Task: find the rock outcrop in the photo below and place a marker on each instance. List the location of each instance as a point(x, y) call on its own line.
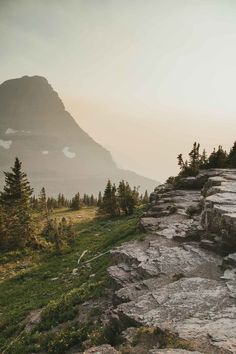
point(172, 351)
point(181, 278)
point(103, 349)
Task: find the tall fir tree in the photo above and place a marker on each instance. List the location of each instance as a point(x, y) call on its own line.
point(109, 203)
point(231, 160)
point(145, 199)
point(218, 158)
point(42, 201)
point(122, 196)
point(15, 202)
point(99, 203)
point(203, 162)
point(127, 197)
point(194, 158)
point(76, 203)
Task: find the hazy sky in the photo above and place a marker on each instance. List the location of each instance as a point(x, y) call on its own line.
point(143, 77)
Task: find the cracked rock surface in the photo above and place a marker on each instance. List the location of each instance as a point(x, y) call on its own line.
point(182, 277)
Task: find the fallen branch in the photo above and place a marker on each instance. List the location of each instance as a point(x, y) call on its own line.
point(98, 256)
point(82, 255)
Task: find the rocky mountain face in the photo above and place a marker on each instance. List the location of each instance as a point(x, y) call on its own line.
point(55, 151)
point(181, 279)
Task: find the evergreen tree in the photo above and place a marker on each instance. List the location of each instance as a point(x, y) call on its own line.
point(109, 203)
point(91, 202)
point(61, 201)
point(122, 196)
point(99, 202)
point(131, 197)
point(114, 203)
point(43, 202)
point(203, 163)
point(145, 198)
point(127, 197)
point(231, 160)
point(35, 203)
point(218, 158)
point(75, 203)
point(180, 161)
point(194, 159)
point(15, 202)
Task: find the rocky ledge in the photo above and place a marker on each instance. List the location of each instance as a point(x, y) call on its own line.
point(181, 278)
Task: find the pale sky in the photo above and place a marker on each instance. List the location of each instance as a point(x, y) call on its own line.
point(145, 78)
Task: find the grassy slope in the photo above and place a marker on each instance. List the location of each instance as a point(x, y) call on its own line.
point(31, 280)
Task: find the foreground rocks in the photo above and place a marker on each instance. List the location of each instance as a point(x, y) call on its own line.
point(172, 351)
point(103, 349)
point(182, 278)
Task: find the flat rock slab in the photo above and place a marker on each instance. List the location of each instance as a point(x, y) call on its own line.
point(169, 210)
point(172, 351)
point(194, 308)
point(160, 257)
point(103, 349)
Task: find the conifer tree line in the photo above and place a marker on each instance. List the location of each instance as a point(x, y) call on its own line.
point(22, 214)
point(75, 203)
point(219, 158)
point(121, 199)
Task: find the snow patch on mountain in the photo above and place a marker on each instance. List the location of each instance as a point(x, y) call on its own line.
point(6, 144)
point(68, 153)
point(10, 131)
point(13, 131)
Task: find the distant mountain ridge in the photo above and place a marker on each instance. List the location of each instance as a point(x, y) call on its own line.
point(55, 151)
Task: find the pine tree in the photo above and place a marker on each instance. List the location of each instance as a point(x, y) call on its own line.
point(43, 202)
point(194, 156)
point(218, 158)
point(127, 197)
point(91, 200)
point(109, 203)
point(131, 197)
point(15, 201)
point(114, 203)
point(99, 203)
point(122, 196)
point(136, 195)
point(231, 160)
point(145, 198)
point(75, 203)
point(203, 163)
point(180, 161)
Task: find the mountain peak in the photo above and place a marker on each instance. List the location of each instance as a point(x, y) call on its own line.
point(56, 152)
point(30, 80)
point(27, 101)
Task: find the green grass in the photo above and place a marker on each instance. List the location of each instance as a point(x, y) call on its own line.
point(32, 280)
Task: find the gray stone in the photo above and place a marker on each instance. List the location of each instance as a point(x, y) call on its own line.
point(194, 308)
point(173, 280)
point(157, 257)
point(172, 351)
point(103, 349)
